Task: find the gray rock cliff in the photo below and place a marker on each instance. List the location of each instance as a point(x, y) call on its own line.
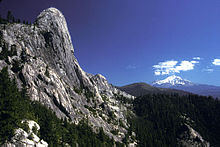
point(26, 138)
point(53, 76)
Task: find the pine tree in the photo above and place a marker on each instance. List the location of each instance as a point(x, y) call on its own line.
point(10, 17)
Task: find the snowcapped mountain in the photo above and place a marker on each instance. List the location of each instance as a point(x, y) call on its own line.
point(176, 82)
point(172, 81)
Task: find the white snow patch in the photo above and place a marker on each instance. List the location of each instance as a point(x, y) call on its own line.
point(173, 80)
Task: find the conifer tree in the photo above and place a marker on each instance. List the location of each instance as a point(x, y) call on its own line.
point(10, 17)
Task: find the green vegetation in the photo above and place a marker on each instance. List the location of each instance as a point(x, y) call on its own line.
point(34, 129)
point(5, 53)
point(85, 90)
point(13, 51)
point(78, 91)
point(159, 120)
point(115, 132)
point(16, 106)
point(23, 56)
point(10, 19)
point(88, 93)
point(47, 72)
point(1, 38)
point(93, 110)
point(123, 99)
point(16, 66)
point(104, 97)
point(111, 114)
point(25, 126)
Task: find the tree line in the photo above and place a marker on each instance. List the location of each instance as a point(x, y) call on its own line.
point(160, 118)
point(15, 105)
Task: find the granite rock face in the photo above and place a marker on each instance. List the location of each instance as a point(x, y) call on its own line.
point(26, 138)
point(53, 76)
point(43, 61)
point(189, 137)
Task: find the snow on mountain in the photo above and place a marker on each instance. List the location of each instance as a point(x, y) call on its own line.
point(172, 81)
point(176, 82)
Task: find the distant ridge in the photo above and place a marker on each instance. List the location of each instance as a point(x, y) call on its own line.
point(140, 89)
point(176, 82)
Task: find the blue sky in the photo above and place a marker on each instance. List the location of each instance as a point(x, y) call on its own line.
point(125, 40)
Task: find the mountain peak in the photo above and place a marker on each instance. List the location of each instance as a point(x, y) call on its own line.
point(56, 44)
point(50, 12)
point(51, 21)
point(173, 81)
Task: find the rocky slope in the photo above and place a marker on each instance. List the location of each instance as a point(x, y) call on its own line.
point(140, 89)
point(23, 138)
point(42, 59)
point(189, 137)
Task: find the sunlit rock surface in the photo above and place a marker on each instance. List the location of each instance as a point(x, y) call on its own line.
point(26, 138)
point(53, 76)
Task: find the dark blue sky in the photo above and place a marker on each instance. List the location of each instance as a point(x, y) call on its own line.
point(132, 40)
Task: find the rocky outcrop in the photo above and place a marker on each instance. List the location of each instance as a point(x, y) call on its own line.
point(191, 138)
point(27, 138)
point(44, 62)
